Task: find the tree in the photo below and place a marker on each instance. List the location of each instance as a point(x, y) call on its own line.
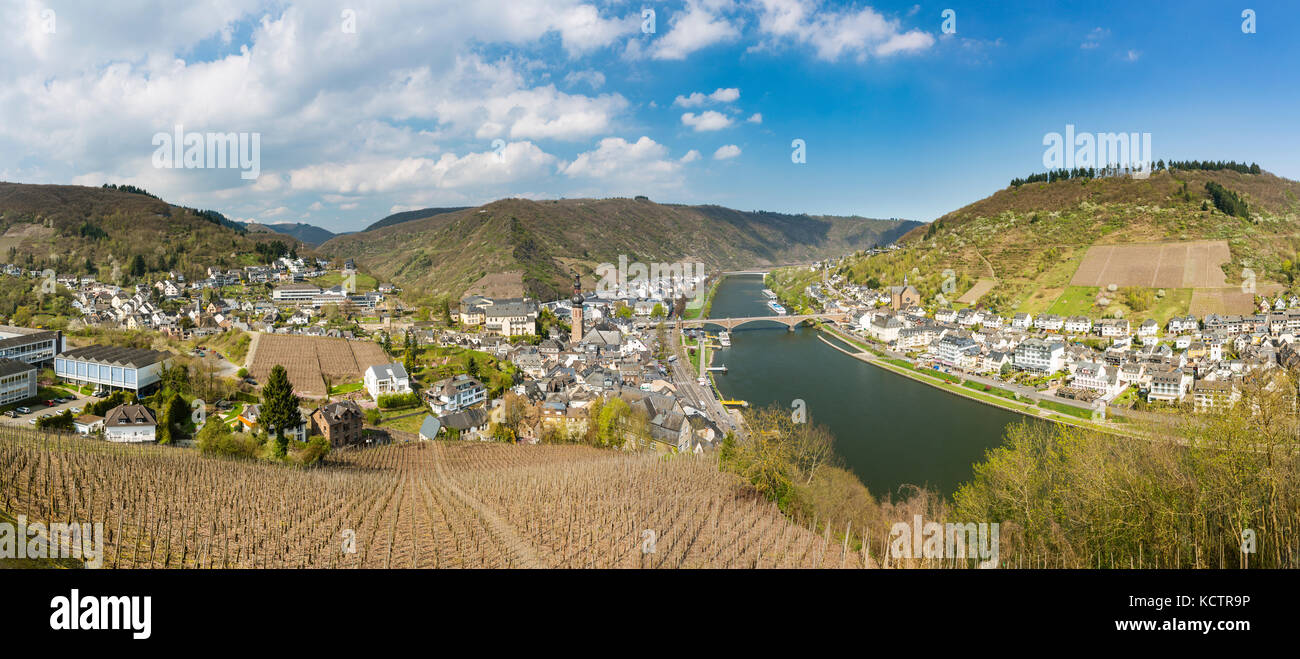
point(171, 423)
point(137, 266)
point(408, 360)
point(658, 312)
point(471, 366)
point(279, 407)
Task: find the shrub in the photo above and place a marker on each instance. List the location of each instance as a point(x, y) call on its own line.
point(309, 452)
point(60, 421)
point(216, 439)
point(391, 401)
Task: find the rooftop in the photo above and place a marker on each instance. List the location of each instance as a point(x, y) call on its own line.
point(116, 356)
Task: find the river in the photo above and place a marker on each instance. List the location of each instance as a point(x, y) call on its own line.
point(890, 431)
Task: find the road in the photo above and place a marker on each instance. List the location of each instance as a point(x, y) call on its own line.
point(691, 392)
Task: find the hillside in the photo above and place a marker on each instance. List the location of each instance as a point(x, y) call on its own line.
point(433, 504)
point(1057, 247)
point(448, 253)
point(307, 234)
point(407, 216)
point(84, 230)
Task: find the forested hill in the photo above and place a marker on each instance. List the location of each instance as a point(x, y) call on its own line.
point(85, 230)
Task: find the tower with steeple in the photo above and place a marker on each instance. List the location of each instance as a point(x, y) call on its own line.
point(576, 301)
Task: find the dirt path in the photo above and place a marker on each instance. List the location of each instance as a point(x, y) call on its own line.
point(252, 350)
point(522, 553)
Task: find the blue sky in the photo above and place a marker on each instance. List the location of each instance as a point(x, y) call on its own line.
point(899, 118)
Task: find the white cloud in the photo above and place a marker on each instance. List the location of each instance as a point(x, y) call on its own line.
point(593, 79)
point(835, 33)
point(517, 161)
point(628, 167)
point(318, 96)
point(696, 99)
point(1094, 38)
point(691, 156)
point(696, 28)
point(706, 121)
point(756, 118)
point(726, 152)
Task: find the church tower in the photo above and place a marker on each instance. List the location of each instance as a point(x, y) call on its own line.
point(576, 301)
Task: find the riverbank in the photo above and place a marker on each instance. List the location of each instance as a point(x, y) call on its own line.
point(958, 387)
point(693, 311)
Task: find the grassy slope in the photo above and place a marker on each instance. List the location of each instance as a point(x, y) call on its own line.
point(1032, 238)
point(446, 253)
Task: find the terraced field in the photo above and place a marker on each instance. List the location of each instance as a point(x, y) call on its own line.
point(423, 505)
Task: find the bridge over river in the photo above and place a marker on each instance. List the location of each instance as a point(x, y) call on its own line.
point(789, 321)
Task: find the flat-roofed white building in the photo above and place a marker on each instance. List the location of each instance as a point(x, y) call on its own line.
point(295, 293)
point(34, 346)
point(17, 381)
point(111, 367)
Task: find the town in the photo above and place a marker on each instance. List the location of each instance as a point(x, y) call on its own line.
point(512, 369)
point(1086, 363)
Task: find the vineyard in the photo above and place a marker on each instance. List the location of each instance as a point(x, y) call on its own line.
point(310, 358)
point(420, 505)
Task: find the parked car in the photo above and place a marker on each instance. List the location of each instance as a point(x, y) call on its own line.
point(11, 414)
point(23, 410)
point(50, 403)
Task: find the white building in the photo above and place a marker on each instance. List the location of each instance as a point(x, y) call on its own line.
point(111, 367)
point(17, 381)
point(34, 346)
point(1049, 322)
point(295, 293)
point(387, 379)
point(1098, 377)
point(1169, 386)
point(1040, 356)
point(130, 423)
point(958, 352)
point(1078, 325)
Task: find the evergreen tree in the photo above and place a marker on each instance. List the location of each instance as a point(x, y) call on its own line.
point(279, 408)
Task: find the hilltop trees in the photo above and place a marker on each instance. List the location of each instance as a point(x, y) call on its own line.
point(279, 408)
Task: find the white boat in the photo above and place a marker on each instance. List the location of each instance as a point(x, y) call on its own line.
point(768, 292)
point(776, 307)
point(724, 339)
